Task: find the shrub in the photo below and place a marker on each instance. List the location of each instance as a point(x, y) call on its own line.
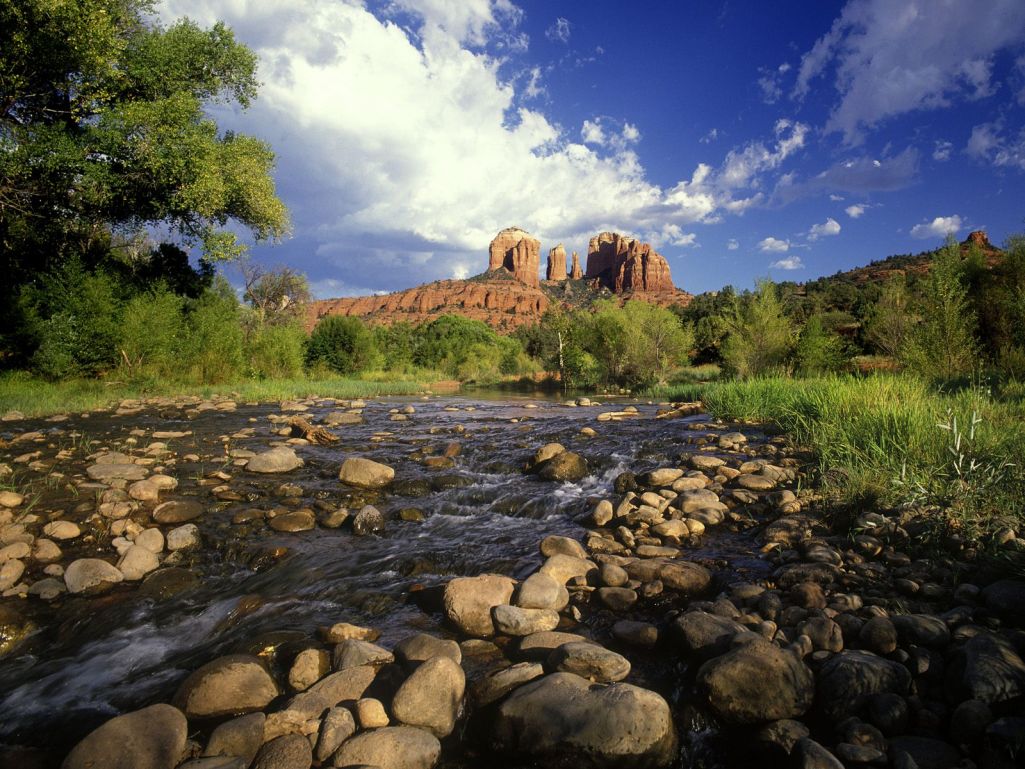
point(343, 344)
point(278, 351)
point(212, 349)
point(818, 350)
point(150, 342)
point(760, 335)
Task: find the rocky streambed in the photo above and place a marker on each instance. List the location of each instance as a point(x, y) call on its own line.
point(469, 582)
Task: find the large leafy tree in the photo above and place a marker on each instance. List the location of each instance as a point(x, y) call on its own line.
point(103, 130)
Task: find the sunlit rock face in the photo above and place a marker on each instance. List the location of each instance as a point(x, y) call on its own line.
point(519, 253)
point(624, 264)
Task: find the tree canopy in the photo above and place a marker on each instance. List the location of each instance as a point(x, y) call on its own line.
point(103, 130)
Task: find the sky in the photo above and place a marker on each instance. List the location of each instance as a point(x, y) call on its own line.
point(743, 139)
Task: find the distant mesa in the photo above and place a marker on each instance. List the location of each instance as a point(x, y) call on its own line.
point(511, 293)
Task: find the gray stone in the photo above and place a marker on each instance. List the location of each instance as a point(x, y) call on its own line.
point(468, 602)
point(512, 620)
point(495, 685)
point(353, 653)
point(280, 459)
point(847, 680)
point(231, 685)
point(365, 473)
point(706, 635)
point(151, 738)
point(927, 753)
point(394, 747)
point(91, 575)
point(590, 661)
point(289, 751)
point(422, 647)
point(431, 696)
point(338, 726)
point(562, 717)
point(986, 668)
point(240, 736)
point(757, 682)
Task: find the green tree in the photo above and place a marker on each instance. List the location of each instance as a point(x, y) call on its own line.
point(818, 349)
point(659, 342)
point(943, 345)
point(889, 321)
point(212, 350)
point(151, 327)
point(103, 127)
point(759, 333)
point(278, 350)
point(343, 344)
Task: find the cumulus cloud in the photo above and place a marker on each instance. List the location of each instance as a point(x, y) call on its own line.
point(732, 244)
point(990, 143)
point(855, 211)
point(829, 227)
point(402, 150)
point(788, 263)
point(890, 59)
point(559, 31)
point(939, 227)
point(773, 245)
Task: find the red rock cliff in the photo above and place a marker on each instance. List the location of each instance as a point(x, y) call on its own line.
point(624, 264)
point(556, 263)
point(519, 253)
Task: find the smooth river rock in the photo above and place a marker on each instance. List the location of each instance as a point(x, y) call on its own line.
point(393, 747)
point(91, 575)
point(431, 696)
point(562, 720)
point(278, 460)
point(237, 683)
point(151, 738)
point(365, 473)
point(468, 602)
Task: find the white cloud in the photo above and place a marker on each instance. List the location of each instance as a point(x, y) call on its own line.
point(857, 176)
point(855, 211)
point(399, 143)
point(893, 58)
point(732, 244)
point(836, 198)
point(939, 227)
point(788, 263)
point(989, 143)
point(941, 152)
point(829, 227)
point(710, 137)
point(559, 31)
point(773, 245)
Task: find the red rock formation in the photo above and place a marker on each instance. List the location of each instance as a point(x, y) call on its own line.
point(556, 264)
point(517, 252)
point(502, 303)
point(978, 238)
point(577, 273)
point(624, 264)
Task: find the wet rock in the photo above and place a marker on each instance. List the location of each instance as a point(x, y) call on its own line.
point(878, 635)
point(295, 520)
point(968, 722)
point(848, 680)
point(781, 737)
point(137, 562)
point(116, 471)
point(62, 530)
point(338, 726)
point(230, 685)
point(548, 451)
point(555, 544)
point(183, 537)
point(280, 459)
point(365, 473)
point(177, 511)
point(290, 751)
point(515, 621)
point(563, 568)
point(540, 591)
point(165, 583)
point(664, 476)
point(468, 602)
point(91, 575)
point(986, 668)
point(240, 736)
point(616, 725)
point(151, 738)
point(564, 467)
point(757, 682)
point(706, 635)
point(422, 647)
point(369, 520)
point(590, 661)
point(14, 628)
point(811, 755)
point(394, 747)
point(431, 696)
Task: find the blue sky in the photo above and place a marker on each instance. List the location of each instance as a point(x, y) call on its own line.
point(743, 139)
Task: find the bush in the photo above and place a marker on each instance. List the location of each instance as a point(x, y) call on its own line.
point(278, 352)
point(345, 345)
point(150, 343)
point(760, 335)
point(818, 350)
point(212, 349)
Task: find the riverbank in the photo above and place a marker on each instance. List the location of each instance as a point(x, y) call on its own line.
point(34, 397)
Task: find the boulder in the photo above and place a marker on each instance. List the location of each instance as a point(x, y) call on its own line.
point(540, 591)
point(353, 653)
point(151, 738)
point(137, 562)
point(338, 726)
point(91, 575)
point(515, 621)
point(280, 459)
point(422, 647)
point(563, 718)
point(848, 680)
point(365, 473)
point(468, 602)
point(497, 684)
point(240, 736)
point(430, 698)
point(986, 668)
point(237, 683)
point(690, 579)
point(289, 751)
point(369, 520)
point(590, 661)
point(177, 511)
point(563, 467)
point(1006, 597)
point(756, 682)
point(294, 520)
point(706, 635)
point(393, 747)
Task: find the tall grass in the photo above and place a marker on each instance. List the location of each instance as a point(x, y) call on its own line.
point(38, 397)
point(891, 439)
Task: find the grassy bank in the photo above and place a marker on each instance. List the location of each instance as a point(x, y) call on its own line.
point(892, 440)
point(36, 397)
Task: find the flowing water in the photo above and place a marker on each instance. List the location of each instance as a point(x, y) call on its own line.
point(95, 657)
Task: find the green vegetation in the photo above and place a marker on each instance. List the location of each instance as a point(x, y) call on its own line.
point(893, 440)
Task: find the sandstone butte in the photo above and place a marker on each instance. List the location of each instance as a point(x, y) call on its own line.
point(510, 294)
